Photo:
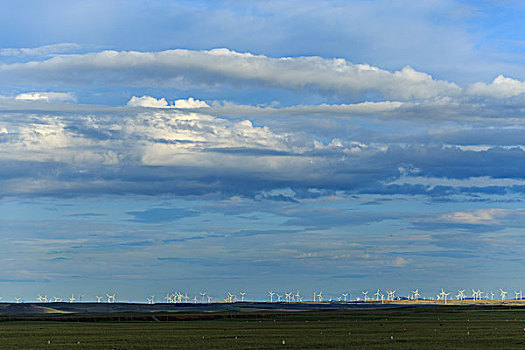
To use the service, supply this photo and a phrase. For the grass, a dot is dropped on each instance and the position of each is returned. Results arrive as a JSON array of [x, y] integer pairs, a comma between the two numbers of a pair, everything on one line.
[[411, 328]]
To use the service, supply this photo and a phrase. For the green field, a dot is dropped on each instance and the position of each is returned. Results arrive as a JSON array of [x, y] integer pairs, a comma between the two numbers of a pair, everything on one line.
[[411, 328]]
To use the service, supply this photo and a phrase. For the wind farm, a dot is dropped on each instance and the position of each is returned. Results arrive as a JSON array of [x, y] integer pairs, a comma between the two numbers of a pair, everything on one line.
[[381, 298], [180, 321]]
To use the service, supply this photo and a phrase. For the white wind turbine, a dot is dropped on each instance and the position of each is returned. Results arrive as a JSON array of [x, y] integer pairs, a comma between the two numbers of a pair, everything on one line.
[[17, 299], [320, 296], [99, 298], [345, 295], [209, 298], [314, 295], [39, 298], [151, 300], [444, 295], [57, 299], [492, 295], [195, 300], [377, 294], [279, 297], [202, 296], [503, 294], [460, 295], [391, 295], [272, 294], [519, 295], [288, 297], [416, 294], [242, 294], [365, 295], [72, 298], [111, 298], [298, 297]]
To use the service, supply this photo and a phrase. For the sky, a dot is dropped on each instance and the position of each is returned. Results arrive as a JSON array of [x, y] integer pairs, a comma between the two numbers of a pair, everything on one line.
[[149, 147]]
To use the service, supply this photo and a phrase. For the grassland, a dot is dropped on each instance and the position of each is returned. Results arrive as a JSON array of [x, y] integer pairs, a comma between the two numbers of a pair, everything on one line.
[[406, 328]]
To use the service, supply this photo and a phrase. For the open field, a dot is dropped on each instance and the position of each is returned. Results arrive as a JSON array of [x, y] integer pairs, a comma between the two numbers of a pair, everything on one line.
[[474, 327]]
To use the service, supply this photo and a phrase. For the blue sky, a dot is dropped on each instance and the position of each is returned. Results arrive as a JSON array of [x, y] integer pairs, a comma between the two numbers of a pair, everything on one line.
[[155, 146]]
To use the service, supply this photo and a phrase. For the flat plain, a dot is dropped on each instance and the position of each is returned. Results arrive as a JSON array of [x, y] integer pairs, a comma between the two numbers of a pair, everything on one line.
[[444, 327]]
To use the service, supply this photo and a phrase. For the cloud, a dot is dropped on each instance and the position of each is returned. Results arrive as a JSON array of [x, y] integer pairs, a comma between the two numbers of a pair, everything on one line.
[[501, 87], [189, 103], [186, 68], [147, 101], [477, 220], [152, 102], [46, 50], [482, 216], [400, 262], [47, 96]]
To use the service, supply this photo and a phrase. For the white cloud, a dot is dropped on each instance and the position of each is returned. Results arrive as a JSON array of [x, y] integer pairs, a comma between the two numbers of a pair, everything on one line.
[[47, 96], [147, 101], [400, 262], [45, 50], [501, 87], [186, 68], [189, 103], [484, 216], [152, 102], [322, 110]]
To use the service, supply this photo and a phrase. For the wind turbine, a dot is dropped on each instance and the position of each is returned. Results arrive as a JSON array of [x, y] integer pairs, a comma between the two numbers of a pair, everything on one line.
[[391, 295], [345, 295], [99, 298], [242, 294], [272, 294], [461, 295], [519, 295], [365, 295], [39, 298], [202, 296], [288, 296], [17, 299], [57, 299], [151, 300], [72, 298], [444, 295], [298, 297], [209, 298], [503, 294], [279, 296], [320, 296], [416, 294]]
